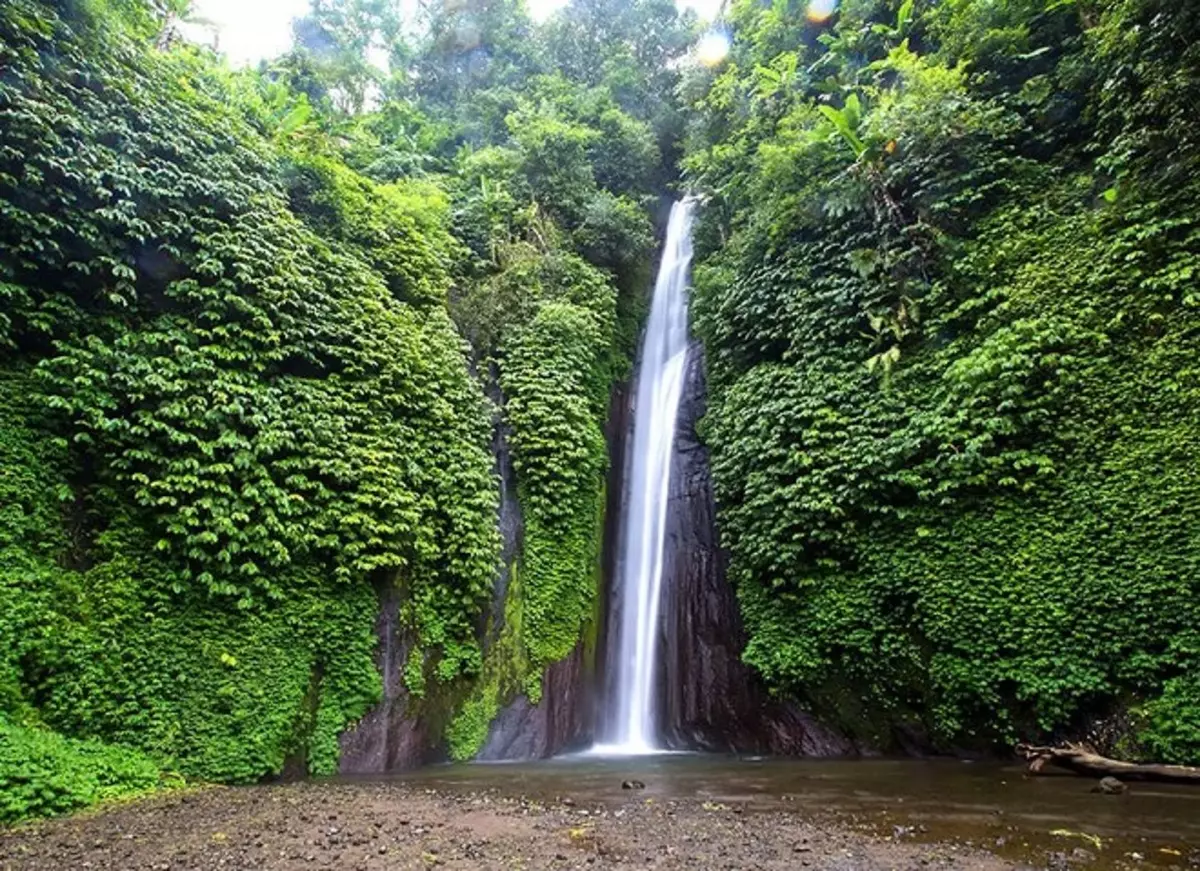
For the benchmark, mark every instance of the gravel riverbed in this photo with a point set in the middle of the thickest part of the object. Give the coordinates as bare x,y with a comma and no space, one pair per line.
393,825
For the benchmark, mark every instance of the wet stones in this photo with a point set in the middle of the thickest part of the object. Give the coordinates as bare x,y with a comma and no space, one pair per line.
1111,786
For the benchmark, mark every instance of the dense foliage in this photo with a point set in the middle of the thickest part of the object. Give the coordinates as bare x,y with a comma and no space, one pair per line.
42,773
248,426
249,325
948,293
273,343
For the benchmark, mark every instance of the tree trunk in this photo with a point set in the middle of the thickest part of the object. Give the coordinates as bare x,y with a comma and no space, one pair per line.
1082,760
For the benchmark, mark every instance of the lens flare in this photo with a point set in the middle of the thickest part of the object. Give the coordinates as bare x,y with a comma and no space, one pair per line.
820,10
712,48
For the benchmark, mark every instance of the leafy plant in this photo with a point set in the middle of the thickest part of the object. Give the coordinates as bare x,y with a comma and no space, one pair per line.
44,774
985,539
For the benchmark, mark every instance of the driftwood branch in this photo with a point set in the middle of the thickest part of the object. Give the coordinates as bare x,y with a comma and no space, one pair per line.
1081,760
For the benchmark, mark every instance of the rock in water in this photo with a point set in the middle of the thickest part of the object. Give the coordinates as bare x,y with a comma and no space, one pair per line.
632,784
1111,786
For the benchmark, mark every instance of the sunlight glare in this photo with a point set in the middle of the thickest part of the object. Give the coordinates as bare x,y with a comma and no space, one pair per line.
820,10
712,48
249,32
540,10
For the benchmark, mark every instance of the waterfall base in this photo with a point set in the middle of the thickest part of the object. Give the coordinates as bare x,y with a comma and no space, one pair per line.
625,750
707,698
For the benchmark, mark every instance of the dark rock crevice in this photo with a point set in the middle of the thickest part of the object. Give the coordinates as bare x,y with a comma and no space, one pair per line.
512,527
708,698
390,737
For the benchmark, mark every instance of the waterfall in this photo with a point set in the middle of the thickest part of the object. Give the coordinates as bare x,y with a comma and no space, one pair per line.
659,386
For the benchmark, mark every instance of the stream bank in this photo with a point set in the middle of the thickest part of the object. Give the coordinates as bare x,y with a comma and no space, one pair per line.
386,826
695,811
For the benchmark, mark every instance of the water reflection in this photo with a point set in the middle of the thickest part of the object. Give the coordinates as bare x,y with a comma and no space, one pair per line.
985,804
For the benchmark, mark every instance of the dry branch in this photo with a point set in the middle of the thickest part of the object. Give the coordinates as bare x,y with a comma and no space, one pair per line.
1082,760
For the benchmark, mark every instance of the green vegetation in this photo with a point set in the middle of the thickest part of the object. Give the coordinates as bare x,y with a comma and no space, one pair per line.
230,428
42,773
263,333
948,292
552,190
249,322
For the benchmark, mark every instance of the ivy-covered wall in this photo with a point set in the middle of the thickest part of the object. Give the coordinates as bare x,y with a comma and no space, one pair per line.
249,325
948,290
233,402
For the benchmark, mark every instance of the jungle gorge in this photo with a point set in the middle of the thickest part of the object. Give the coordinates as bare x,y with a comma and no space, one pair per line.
315,383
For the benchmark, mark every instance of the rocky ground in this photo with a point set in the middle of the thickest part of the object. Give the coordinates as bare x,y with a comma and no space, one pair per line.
386,826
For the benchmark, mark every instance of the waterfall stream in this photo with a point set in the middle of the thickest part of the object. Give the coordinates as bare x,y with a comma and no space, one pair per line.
659,387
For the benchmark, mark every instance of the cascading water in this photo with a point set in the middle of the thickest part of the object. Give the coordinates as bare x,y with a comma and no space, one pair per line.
660,385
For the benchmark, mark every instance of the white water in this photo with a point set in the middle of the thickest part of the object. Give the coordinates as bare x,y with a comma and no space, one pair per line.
660,385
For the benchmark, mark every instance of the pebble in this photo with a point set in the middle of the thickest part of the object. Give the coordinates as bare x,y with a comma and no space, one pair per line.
276,828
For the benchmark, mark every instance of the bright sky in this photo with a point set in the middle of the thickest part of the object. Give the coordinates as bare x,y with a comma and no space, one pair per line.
250,30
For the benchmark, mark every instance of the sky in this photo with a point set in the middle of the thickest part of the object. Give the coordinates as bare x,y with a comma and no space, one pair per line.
250,30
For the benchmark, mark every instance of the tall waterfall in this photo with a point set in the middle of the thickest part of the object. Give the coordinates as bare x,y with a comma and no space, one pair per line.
659,386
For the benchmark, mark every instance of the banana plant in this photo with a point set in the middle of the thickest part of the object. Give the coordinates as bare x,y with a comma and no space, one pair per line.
904,19
846,121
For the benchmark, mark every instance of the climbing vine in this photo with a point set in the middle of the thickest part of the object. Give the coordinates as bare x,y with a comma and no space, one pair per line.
260,332
234,403
946,286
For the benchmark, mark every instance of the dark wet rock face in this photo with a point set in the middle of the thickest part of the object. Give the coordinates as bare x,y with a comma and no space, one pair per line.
566,717
388,738
561,721
709,698
619,434
707,695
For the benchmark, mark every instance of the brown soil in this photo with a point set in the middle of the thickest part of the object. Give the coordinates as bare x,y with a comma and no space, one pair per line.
392,825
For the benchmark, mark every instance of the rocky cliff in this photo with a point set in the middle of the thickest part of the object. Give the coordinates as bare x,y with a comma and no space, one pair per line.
402,732
709,698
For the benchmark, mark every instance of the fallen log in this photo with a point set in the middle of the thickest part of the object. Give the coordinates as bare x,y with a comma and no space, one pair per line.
1081,760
